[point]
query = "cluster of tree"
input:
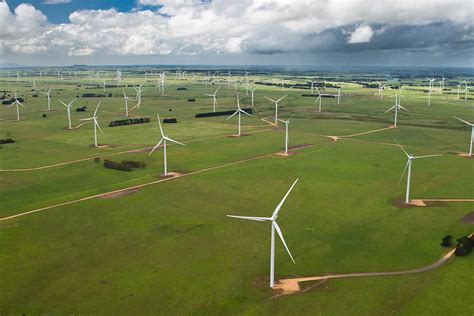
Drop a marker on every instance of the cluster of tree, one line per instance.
(170, 120)
(124, 165)
(181, 88)
(6, 141)
(221, 113)
(464, 246)
(35, 95)
(191, 100)
(139, 120)
(81, 109)
(8, 102)
(93, 95)
(315, 95)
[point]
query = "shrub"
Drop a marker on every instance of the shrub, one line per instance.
(464, 246)
(93, 95)
(221, 113)
(81, 109)
(447, 241)
(124, 165)
(191, 100)
(35, 95)
(170, 120)
(140, 120)
(181, 88)
(7, 141)
(44, 115)
(97, 159)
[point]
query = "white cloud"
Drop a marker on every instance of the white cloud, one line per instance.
(56, 1)
(362, 34)
(220, 26)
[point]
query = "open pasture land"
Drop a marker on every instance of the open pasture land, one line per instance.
(165, 243)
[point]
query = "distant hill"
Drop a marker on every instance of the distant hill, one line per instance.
(9, 65)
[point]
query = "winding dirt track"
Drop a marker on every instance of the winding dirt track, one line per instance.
(292, 285)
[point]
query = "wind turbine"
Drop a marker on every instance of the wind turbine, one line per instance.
(472, 134)
(68, 107)
(338, 95)
(466, 90)
(397, 107)
(276, 106)
(163, 140)
(96, 124)
(318, 99)
(252, 91)
(239, 111)
(312, 86)
(287, 122)
(139, 94)
(410, 158)
(214, 100)
(459, 88)
(126, 102)
(441, 84)
(48, 94)
(276, 228)
(18, 104)
(430, 89)
(381, 89)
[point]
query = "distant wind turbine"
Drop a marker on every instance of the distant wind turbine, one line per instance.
(276, 106)
(472, 134)
(239, 111)
(96, 124)
(68, 107)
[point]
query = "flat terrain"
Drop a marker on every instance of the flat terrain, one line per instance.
(166, 245)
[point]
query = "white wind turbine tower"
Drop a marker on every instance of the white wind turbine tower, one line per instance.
(282, 83)
(48, 94)
(381, 89)
(126, 102)
(472, 134)
(410, 158)
(430, 89)
(214, 100)
(318, 99)
(96, 124)
(139, 93)
(104, 84)
(466, 90)
(287, 122)
(162, 83)
(276, 228)
(441, 84)
(459, 88)
(18, 104)
(239, 111)
(163, 140)
(68, 107)
(397, 107)
(276, 106)
(252, 91)
(338, 95)
(312, 86)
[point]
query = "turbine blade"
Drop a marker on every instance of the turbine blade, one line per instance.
(401, 146)
(277, 209)
(96, 109)
(269, 99)
(277, 228)
(233, 114)
(403, 173)
(391, 108)
(159, 123)
(401, 107)
(98, 126)
(466, 122)
(282, 98)
(426, 156)
(63, 103)
(252, 218)
(157, 145)
(173, 141)
(245, 112)
(87, 119)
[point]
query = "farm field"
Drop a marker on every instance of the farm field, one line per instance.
(80, 238)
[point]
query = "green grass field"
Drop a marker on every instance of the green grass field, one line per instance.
(170, 249)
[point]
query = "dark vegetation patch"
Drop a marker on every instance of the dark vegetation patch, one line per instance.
(315, 95)
(8, 102)
(170, 120)
(447, 241)
(139, 120)
(464, 246)
(181, 88)
(81, 109)
(124, 165)
(221, 113)
(191, 100)
(6, 141)
(93, 95)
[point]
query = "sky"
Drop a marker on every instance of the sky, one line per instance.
(247, 32)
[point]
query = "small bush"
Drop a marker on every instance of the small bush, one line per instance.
(191, 100)
(181, 88)
(464, 246)
(447, 241)
(170, 120)
(140, 120)
(7, 141)
(44, 115)
(81, 109)
(124, 165)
